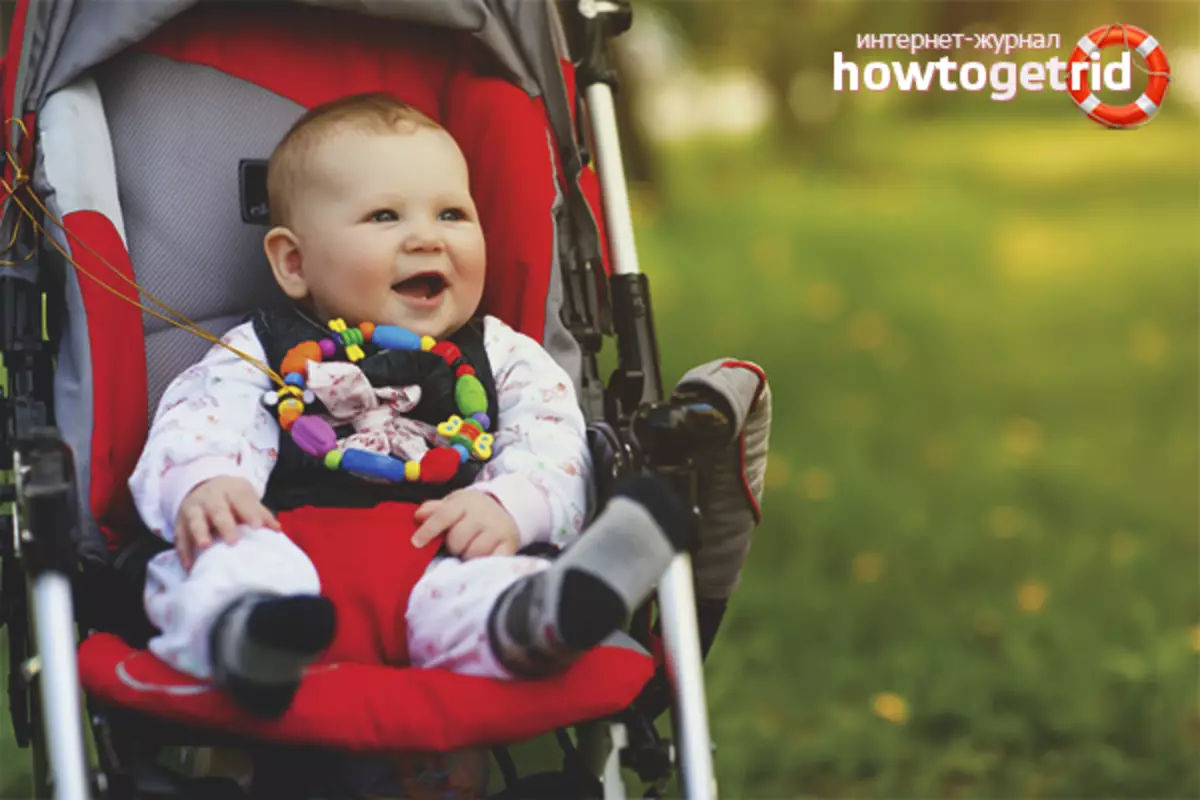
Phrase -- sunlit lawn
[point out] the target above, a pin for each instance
(978, 570)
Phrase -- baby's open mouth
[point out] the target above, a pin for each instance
(424, 286)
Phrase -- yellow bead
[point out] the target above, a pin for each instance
(483, 446)
(412, 470)
(294, 391)
(355, 353)
(333, 459)
(292, 403)
(450, 426)
(427, 342)
(338, 325)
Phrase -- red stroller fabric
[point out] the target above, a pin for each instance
(369, 707)
(352, 699)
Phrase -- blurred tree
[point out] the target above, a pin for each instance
(636, 150)
(777, 40)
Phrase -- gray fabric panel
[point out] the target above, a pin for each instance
(728, 516)
(179, 131)
(73, 389)
(170, 351)
(557, 340)
(737, 386)
(99, 29)
(46, 28)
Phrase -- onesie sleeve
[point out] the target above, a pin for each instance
(210, 422)
(540, 469)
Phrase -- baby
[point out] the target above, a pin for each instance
(279, 560)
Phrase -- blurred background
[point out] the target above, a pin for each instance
(978, 573)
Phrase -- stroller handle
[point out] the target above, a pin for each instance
(690, 426)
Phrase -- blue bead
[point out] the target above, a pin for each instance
(391, 337)
(463, 455)
(294, 379)
(373, 465)
(483, 419)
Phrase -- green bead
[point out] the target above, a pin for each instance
(333, 459)
(465, 441)
(470, 395)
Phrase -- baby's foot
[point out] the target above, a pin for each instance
(543, 622)
(262, 643)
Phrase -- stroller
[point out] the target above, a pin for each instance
(136, 135)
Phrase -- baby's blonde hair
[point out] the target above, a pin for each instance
(372, 112)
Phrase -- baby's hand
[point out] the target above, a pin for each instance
(214, 509)
(475, 525)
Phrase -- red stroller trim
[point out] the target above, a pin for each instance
(364, 707)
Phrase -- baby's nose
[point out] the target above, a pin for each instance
(423, 239)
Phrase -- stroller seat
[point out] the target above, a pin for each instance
(155, 159)
(366, 708)
(137, 136)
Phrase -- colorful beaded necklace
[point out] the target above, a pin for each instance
(466, 434)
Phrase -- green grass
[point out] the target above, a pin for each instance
(977, 573)
(982, 495)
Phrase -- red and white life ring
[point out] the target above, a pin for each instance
(1144, 45)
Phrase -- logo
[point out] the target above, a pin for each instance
(1081, 76)
(1085, 58)
(252, 185)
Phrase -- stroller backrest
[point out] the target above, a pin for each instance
(190, 115)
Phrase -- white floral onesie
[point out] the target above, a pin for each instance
(211, 422)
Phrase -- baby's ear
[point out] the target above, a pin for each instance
(287, 262)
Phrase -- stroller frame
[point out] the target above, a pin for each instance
(632, 427)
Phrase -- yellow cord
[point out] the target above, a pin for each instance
(20, 180)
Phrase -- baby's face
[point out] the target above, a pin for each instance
(388, 232)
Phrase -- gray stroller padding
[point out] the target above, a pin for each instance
(731, 486)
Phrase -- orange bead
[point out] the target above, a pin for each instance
(288, 417)
(470, 429)
(298, 357)
(368, 329)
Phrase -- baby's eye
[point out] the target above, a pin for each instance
(383, 215)
(452, 215)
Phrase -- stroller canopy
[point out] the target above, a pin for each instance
(54, 41)
(60, 39)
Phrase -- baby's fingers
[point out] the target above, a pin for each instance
(183, 546)
(504, 547)
(255, 514)
(425, 509)
(224, 525)
(192, 537)
(439, 520)
(469, 542)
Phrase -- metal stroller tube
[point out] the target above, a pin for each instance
(53, 619)
(45, 516)
(681, 641)
(676, 591)
(613, 189)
